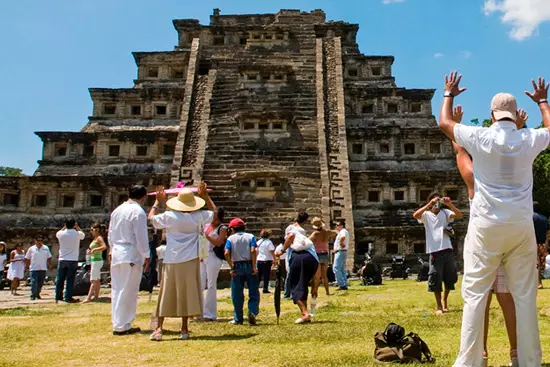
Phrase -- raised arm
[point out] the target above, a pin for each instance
(452, 90)
(418, 214)
(203, 193)
(457, 213)
(540, 96)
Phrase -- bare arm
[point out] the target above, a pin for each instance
(102, 246)
(220, 240)
(457, 213)
(203, 193)
(288, 241)
(159, 201)
(446, 122)
(418, 214)
(540, 96)
(343, 242)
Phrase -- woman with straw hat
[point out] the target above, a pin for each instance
(320, 238)
(180, 288)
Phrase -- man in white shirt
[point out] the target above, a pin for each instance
(341, 246)
(69, 238)
(438, 245)
(129, 242)
(501, 228)
(38, 259)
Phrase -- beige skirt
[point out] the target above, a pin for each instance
(180, 290)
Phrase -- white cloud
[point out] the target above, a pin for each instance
(466, 54)
(524, 16)
(438, 55)
(386, 2)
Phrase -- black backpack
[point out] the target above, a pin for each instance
(220, 250)
(393, 345)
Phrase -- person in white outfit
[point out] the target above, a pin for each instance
(500, 230)
(216, 233)
(129, 242)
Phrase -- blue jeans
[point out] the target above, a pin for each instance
(66, 270)
(339, 268)
(244, 275)
(37, 281)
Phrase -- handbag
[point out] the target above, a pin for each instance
(393, 346)
(301, 242)
(203, 242)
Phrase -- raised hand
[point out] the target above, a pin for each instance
(457, 114)
(161, 195)
(540, 90)
(203, 189)
(522, 117)
(452, 84)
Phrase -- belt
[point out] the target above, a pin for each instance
(345, 250)
(322, 253)
(243, 262)
(442, 251)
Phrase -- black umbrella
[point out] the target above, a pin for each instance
(278, 287)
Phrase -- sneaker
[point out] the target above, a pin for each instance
(251, 319)
(157, 337)
(38, 297)
(184, 336)
(72, 300)
(345, 288)
(132, 330)
(235, 322)
(266, 291)
(302, 320)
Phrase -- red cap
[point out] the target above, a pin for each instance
(236, 222)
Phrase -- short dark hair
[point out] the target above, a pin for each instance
(238, 229)
(536, 206)
(70, 223)
(265, 233)
(137, 192)
(341, 222)
(39, 238)
(433, 195)
(221, 214)
(302, 217)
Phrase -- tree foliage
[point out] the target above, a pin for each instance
(11, 172)
(541, 181)
(484, 123)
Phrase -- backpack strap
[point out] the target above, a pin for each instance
(423, 347)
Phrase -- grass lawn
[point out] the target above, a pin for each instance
(341, 334)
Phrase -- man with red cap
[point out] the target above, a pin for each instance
(500, 230)
(240, 253)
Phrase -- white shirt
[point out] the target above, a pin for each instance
(280, 248)
(3, 259)
(293, 228)
(128, 235)
(343, 233)
(181, 233)
(436, 239)
(265, 246)
(160, 252)
(503, 159)
(39, 257)
(69, 244)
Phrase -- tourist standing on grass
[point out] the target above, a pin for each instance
(97, 247)
(541, 230)
(38, 261)
(501, 224)
(303, 264)
(129, 243)
(341, 246)
(266, 255)
(69, 238)
(320, 238)
(3, 259)
(16, 270)
(436, 221)
(500, 287)
(180, 292)
(216, 233)
(240, 254)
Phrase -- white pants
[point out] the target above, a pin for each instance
(210, 268)
(487, 245)
(125, 280)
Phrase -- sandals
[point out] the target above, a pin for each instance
(302, 320)
(156, 337)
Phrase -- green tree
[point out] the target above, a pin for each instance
(11, 172)
(541, 179)
(484, 123)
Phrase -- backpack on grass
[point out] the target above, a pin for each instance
(393, 345)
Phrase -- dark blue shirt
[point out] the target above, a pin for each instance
(541, 227)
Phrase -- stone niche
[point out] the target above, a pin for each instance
(271, 127)
(262, 185)
(275, 76)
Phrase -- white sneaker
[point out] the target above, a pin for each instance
(313, 306)
(303, 321)
(184, 336)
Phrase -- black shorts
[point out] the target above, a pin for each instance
(442, 271)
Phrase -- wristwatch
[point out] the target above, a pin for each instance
(448, 94)
(542, 101)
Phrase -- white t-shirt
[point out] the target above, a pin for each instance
(343, 233)
(265, 246)
(69, 244)
(280, 249)
(128, 234)
(181, 233)
(3, 259)
(293, 228)
(548, 261)
(503, 159)
(160, 252)
(39, 257)
(436, 239)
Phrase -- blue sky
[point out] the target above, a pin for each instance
(53, 51)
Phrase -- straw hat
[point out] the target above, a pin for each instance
(317, 223)
(186, 201)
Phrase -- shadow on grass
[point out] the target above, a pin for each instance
(224, 337)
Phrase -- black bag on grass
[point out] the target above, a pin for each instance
(393, 345)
